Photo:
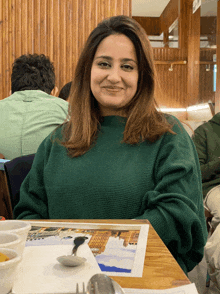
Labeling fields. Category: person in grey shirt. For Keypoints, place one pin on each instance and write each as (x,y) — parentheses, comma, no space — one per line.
(30,113)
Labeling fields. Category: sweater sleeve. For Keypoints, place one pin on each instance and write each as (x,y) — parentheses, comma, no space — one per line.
(175,206)
(208,168)
(33,198)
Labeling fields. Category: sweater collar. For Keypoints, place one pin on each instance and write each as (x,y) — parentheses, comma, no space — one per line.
(113,120)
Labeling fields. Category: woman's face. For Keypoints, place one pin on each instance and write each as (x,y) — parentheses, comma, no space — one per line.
(114,74)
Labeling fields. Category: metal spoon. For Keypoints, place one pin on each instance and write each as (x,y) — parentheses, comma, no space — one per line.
(102,284)
(73,260)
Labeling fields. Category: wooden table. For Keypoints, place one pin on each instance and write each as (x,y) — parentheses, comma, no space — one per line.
(5,202)
(161,271)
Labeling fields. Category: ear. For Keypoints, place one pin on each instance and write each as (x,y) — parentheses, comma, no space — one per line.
(54,92)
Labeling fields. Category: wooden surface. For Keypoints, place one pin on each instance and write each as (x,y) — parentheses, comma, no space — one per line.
(150,24)
(161,270)
(5,202)
(169,15)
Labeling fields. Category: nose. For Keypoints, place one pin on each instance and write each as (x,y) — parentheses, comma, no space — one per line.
(114,75)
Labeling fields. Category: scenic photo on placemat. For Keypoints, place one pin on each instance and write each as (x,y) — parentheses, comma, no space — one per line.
(115,249)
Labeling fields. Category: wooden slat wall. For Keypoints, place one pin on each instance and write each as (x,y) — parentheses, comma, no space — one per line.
(173,91)
(56,28)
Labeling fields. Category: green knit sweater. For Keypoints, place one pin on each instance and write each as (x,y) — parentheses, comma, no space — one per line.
(158,181)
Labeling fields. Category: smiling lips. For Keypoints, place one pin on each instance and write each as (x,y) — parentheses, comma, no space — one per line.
(112,89)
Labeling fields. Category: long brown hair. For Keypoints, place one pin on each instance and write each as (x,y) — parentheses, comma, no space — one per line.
(144,122)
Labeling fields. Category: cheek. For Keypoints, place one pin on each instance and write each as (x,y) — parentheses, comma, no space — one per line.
(95,83)
(96,78)
(133,82)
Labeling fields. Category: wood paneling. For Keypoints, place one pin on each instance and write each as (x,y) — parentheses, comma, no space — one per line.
(169,15)
(183,24)
(150,24)
(189,41)
(171,91)
(56,28)
(193,57)
(208,25)
(157,25)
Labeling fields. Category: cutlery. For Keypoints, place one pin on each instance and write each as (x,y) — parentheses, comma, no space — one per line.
(102,284)
(73,260)
(77,289)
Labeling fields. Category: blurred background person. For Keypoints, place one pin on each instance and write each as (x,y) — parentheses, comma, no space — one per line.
(30,113)
(207,141)
(65,91)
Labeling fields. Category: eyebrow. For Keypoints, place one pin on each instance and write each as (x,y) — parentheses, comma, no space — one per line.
(110,58)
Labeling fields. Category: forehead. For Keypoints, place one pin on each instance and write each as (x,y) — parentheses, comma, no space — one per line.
(117,46)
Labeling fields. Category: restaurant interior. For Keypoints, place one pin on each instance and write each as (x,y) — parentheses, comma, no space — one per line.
(185,44)
(184,34)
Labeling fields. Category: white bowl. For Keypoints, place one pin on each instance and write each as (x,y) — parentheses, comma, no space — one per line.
(11,241)
(18,227)
(8,269)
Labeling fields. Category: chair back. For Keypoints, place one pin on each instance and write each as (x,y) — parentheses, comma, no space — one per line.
(16,170)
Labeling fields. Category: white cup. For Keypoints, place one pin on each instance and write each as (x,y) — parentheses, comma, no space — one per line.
(8,269)
(18,227)
(11,241)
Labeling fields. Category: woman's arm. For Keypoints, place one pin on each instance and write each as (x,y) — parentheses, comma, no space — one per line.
(175,206)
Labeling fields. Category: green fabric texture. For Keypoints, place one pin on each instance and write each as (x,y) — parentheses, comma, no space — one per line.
(26,119)
(207,142)
(158,181)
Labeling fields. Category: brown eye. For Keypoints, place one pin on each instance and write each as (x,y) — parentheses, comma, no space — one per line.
(127,67)
(104,64)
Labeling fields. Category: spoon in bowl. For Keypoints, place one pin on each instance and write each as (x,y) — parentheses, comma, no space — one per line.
(102,284)
(73,260)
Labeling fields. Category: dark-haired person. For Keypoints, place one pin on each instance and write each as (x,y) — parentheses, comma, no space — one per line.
(65,91)
(118,157)
(31,112)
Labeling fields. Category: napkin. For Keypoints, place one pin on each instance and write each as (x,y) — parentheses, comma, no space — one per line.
(39,271)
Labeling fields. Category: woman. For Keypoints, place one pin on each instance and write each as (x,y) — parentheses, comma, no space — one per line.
(117,157)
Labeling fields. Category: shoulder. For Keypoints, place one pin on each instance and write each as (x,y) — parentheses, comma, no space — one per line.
(49,98)
(60,103)
(58,132)
(177,148)
(51,143)
(203,128)
(179,139)
(51,104)
(9,99)
(175,123)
